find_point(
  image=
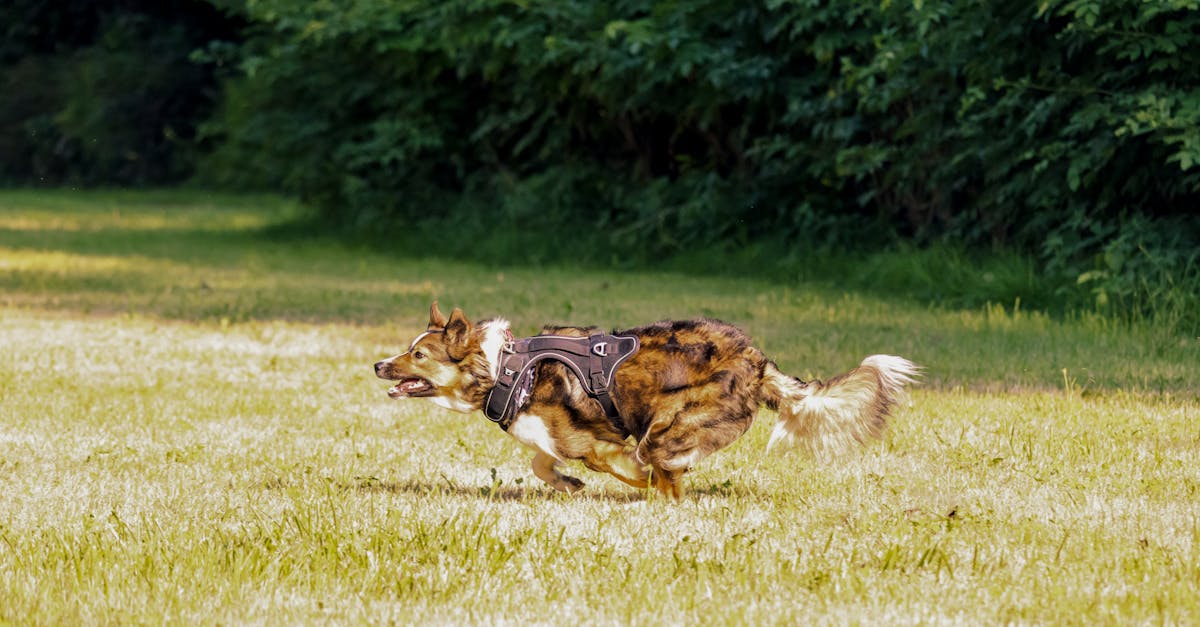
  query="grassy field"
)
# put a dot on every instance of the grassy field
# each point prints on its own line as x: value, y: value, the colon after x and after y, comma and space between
x: 190, y: 432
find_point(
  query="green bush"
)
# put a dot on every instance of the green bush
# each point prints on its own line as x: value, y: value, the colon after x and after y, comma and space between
x: 663, y: 102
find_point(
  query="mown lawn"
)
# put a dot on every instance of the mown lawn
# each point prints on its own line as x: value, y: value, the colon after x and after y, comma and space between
x: 190, y: 432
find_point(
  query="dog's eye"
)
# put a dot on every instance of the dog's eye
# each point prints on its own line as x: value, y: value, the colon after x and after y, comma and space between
x: 418, y: 355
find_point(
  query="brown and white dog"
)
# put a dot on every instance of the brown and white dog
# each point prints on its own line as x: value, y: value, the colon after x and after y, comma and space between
x: 692, y: 388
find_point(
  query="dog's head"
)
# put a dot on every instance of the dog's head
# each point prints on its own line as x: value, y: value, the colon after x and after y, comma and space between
x: 445, y: 364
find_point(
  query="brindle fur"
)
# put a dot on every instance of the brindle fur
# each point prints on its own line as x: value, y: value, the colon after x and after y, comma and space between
x: 692, y: 389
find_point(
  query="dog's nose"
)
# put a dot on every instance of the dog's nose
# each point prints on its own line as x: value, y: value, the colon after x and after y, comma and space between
x: 379, y: 366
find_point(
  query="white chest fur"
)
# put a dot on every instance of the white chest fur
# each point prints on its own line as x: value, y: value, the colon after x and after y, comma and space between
x: 530, y: 430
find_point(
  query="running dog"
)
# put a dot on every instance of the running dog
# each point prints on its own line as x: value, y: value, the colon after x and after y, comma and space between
x: 686, y: 390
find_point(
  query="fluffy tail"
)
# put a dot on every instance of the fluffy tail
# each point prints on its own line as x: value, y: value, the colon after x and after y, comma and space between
x: 850, y: 408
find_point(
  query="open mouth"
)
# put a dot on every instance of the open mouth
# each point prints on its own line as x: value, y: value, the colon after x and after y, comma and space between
x: 410, y: 386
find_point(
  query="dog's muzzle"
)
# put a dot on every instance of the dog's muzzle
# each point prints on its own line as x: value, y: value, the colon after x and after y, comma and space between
x: 407, y: 385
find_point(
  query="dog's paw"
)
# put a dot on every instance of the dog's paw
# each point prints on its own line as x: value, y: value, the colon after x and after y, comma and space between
x: 570, y: 485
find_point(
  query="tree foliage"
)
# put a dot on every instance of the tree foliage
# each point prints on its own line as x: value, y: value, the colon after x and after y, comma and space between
x: 990, y: 121
x: 103, y: 92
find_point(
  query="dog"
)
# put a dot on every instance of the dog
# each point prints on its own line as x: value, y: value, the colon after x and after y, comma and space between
x: 691, y: 389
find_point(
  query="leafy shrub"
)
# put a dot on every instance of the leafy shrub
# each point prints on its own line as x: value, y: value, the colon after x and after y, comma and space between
x: 915, y: 110
x: 1147, y: 270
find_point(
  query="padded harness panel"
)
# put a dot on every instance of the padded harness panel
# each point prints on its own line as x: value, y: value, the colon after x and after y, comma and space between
x: 593, y: 359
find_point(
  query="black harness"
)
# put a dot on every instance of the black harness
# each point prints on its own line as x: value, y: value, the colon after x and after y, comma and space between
x: 593, y: 359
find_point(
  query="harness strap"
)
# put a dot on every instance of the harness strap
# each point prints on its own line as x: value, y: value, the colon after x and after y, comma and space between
x: 592, y: 359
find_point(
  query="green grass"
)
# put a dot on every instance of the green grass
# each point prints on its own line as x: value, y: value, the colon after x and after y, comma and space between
x: 190, y: 432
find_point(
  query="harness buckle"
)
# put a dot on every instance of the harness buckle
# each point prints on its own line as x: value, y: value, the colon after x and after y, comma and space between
x: 599, y: 383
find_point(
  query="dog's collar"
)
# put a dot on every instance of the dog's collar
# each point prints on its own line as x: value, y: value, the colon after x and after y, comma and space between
x: 593, y: 360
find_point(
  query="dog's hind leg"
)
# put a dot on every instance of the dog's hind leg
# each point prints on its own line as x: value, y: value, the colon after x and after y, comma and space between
x: 546, y: 469
x: 667, y: 482
x: 703, y: 420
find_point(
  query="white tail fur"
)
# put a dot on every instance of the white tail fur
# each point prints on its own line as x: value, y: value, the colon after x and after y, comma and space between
x: 848, y: 409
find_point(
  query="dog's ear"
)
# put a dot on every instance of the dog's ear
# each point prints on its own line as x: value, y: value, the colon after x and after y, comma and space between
x: 437, y: 320
x: 458, y: 334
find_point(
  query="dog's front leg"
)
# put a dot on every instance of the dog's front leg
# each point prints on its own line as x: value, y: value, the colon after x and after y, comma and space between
x: 546, y: 469
x: 618, y: 460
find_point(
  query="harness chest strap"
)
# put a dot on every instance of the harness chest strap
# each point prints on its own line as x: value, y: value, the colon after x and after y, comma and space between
x: 592, y: 359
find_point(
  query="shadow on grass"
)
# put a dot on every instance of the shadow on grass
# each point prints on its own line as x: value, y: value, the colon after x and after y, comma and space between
x: 540, y: 493
x: 295, y: 271
x: 489, y: 493
x: 942, y: 274
x: 724, y: 490
x: 297, y: 245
